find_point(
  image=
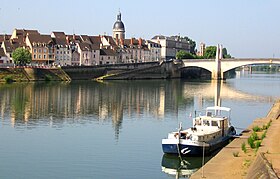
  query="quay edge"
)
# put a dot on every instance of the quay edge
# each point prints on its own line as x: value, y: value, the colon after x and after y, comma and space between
x: 265, y: 163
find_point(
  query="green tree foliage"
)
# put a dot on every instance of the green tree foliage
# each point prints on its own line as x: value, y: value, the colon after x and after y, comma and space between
x: 210, y: 52
x: 184, y: 55
x: 21, y: 56
x: 226, y: 54
x: 192, y: 44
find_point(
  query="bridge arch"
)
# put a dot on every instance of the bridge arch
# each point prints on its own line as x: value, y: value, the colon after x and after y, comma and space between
x: 194, y: 66
x: 227, y: 65
x: 219, y: 66
x: 208, y: 64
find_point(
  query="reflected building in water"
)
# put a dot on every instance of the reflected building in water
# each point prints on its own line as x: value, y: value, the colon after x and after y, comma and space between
x: 80, y: 102
x: 57, y: 103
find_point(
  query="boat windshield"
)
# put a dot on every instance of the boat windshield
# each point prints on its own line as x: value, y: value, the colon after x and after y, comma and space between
x: 217, y: 113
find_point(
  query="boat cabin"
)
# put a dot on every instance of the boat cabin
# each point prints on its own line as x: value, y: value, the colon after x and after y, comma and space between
x: 214, y: 117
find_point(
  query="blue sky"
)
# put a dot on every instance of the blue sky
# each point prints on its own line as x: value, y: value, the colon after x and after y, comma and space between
x: 247, y: 28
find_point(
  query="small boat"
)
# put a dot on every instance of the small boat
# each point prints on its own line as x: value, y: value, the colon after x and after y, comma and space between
x: 210, y: 132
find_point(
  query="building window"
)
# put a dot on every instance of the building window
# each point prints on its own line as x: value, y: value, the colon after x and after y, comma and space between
x: 34, y: 56
x: 94, y: 56
x: 35, y: 50
x: 44, y: 56
x: 39, y: 50
x: 45, y: 50
x: 39, y: 56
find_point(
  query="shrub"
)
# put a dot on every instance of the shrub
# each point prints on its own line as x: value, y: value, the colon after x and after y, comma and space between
x: 48, y: 78
x: 258, y: 144
x: 243, y: 146
x: 256, y: 129
x: 269, y: 123
x: 263, y: 135
x: 9, y: 79
x: 255, y: 136
x: 264, y: 127
x: 251, y: 142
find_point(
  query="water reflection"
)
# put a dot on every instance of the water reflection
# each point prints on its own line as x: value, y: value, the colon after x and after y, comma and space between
x: 182, y: 167
x: 56, y: 104
x: 78, y: 102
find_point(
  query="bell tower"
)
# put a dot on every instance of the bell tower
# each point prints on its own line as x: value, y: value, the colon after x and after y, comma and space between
x: 118, y: 28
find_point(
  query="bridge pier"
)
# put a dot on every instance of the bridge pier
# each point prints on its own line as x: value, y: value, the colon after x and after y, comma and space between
x: 217, y: 73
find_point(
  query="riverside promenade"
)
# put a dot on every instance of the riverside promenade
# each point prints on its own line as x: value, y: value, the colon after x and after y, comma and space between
x: 233, y: 162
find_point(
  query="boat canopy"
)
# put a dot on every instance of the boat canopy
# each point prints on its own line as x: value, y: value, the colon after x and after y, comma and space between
x: 218, y: 108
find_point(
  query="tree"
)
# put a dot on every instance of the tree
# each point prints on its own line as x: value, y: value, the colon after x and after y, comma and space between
x: 225, y: 54
x: 21, y: 56
x: 210, y: 52
x: 184, y: 55
x: 192, y: 44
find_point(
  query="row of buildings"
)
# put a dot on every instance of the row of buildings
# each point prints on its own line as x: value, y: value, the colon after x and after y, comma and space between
x: 65, y: 50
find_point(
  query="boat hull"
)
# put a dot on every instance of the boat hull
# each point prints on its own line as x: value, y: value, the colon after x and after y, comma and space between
x: 193, y: 150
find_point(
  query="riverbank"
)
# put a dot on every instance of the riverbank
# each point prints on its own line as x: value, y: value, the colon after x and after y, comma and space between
x: 233, y: 162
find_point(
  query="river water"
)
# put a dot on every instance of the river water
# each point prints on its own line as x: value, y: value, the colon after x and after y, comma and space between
x: 114, y: 129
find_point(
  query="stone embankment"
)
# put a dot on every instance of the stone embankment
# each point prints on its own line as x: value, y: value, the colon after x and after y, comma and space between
x: 22, y: 74
x: 147, y: 70
x: 235, y: 161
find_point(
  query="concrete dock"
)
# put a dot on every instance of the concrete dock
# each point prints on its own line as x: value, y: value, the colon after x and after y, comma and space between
x: 263, y: 163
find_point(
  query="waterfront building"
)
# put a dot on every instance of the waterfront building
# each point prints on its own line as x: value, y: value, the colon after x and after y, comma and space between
x: 75, y: 60
x: 3, y: 58
x: 118, y: 28
x: 171, y: 45
x: 41, y: 47
x: 155, y: 49
x: 8, y: 47
x: 89, y: 53
x: 63, y: 54
x: 108, y: 42
x: 108, y: 56
x: 17, y: 39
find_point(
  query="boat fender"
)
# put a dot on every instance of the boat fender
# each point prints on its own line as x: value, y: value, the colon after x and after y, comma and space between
x: 232, y: 130
x: 185, y: 151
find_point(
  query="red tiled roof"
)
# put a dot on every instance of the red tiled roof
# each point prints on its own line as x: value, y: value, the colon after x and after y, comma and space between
x: 108, y: 52
x: 37, y: 38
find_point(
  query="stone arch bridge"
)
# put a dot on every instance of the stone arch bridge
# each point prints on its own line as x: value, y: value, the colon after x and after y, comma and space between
x: 218, y: 67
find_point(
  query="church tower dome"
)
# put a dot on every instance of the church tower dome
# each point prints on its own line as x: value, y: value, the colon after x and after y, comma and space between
x: 118, y: 28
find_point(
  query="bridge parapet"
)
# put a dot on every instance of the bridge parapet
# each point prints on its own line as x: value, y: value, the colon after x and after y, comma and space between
x: 226, y: 64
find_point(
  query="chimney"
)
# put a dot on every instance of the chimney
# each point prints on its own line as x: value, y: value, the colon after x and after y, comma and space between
x: 67, y: 40
x: 140, y: 42
x: 131, y: 41
x: 74, y: 38
x: 5, y: 37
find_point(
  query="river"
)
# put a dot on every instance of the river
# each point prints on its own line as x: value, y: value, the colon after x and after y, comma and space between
x: 113, y: 129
